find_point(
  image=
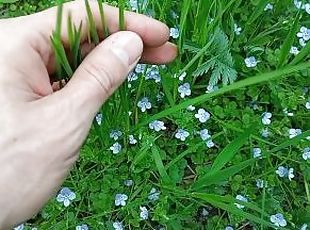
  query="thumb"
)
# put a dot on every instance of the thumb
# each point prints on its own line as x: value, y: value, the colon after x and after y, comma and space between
x: 102, y: 71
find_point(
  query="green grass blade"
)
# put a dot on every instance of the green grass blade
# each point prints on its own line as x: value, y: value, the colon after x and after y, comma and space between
x: 160, y: 166
x: 291, y: 142
x: 121, y: 6
x: 231, y: 150
x: 184, y: 18
x: 216, y: 177
x: 260, y: 78
x: 105, y: 28
x: 92, y: 24
x: 231, y: 208
x: 289, y: 41
x: 59, y: 18
x: 259, y: 9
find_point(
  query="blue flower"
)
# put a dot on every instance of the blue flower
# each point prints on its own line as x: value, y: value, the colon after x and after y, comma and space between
x: 132, y: 77
x: 212, y: 88
x: 269, y: 6
x: 278, y: 220
x: 144, y: 213
x: 298, y: 4
x: 282, y: 171
x: 307, y: 105
x: 210, y: 144
x: 306, y: 153
x: 265, y: 133
x: 294, y: 50
x: 261, y: 183
x: 185, y: 90
x: 116, y: 148
x: 81, y: 227
x: 99, y: 118
x: 202, y: 115
x: 20, y: 227
x: 144, y: 104
x: 157, y: 125
x: 65, y: 196
x: 250, y: 62
x: 115, y: 134
x: 304, y: 33
x: 294, y: 132
x: 153, y: 73
x: 290, y: 174
x: 132, y: 140
x: 174, y: 33
x: 128, y: 183
x: 140, y: 68
x: 307, y: 8
x: 120, y: 199
x: 266, y: 118
x: 182, y: 134
x: 257, y: 153
x: 241, y: 198
x: 153, y: 195
x: 229, y: 228
x: 191, y: 108
x: 237, y: 29
x: 118, y: 225
x: 204, y: 134
x: 304, y: 227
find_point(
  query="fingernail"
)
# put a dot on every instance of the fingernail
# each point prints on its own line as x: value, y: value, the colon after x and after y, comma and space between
x: 128, y: 47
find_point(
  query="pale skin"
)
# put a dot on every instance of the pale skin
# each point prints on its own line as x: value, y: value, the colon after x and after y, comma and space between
x: 42, y: 128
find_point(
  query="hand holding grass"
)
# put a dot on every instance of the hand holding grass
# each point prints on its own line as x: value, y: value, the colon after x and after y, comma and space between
x: 43, y: 129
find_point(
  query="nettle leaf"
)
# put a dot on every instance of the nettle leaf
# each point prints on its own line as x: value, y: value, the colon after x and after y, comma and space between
x: 219, y: 61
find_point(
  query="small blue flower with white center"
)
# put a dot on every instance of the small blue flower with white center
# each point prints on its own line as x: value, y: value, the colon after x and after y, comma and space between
x: 182, y: 134
x: 304, y: 227
x: 308, y: 105
x: 278, y: 220
x: 157, y: 125
x: 120, y: 199
x: 116, y: 148
x: 132, y: 140
x: 144, y: 213
x: 298, y: 4
x: 191, y: 108
x: 229, y: 228
x: 307, y: 8
x: 290, y: 174
x: 294, y: 50
x: 261, y: 183
x: 153, y: 73
x: 19, y: 227
x: 174, y: 33
x: 202, y: 115
x: 287, y: 113
x: 304, y: 33
x: 204, y: 134
x: 140, y: 68
x: 237, y: 29
x: 144, y: 104
x: 81, y: 227
x: 153, y: 195
x: 282, y: 171
x: 306, y: 153
x: 269, y: 6
x: 99, y: 118
x: 257, y: 153
x: 118, y: 225
x: 210, y: 144
x: 65, y: 196
x: 266, y: 118
x: 185, y: 90
x: 128, y: 183
x: 115, y: 134
x: 241, y: 198
x: 265, y: 133
x: 132, y: 77
x: 250, y: 62
x: 212, y: 88
x: 294, y: 132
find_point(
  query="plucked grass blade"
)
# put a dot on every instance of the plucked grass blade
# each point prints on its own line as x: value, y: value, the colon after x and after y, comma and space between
x: 260, y: 78
x: 159, y: 164
x: 231, y: 208
x: 289, y: 41
x: 91, y: 24
x: 121, y: 6
x: 291, y: 142
x: 231, y: 150
x: 220, y: 176
x: 103, y: 19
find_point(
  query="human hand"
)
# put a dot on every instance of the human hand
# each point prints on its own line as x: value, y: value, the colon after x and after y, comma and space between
x: 42, y: 130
